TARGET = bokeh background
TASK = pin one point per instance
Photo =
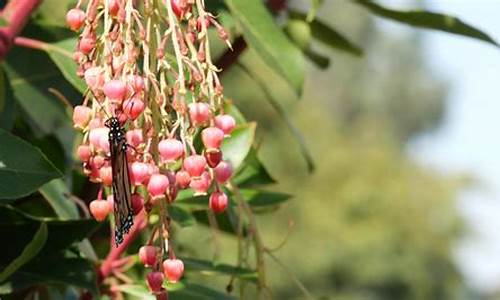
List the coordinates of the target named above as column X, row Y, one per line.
column 404, row 201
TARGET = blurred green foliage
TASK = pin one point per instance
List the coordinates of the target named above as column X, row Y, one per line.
column 369, row 223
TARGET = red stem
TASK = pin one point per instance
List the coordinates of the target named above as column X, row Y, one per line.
column 106, row 267
column 17, row 14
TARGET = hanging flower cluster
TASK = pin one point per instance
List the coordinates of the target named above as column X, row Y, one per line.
column 148, row 63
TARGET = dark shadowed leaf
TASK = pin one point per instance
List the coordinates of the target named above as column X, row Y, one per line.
column 53, row 270
column 23, row 168
column 181, row 216
column 430, row 20
column 329, row 36
column 269, row 41
column 319, row 60
column 30, row 251
column 19, row 228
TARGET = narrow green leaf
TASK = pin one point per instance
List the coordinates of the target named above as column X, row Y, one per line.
column 313, row 10
column 259, row 199
column 319, row 60
column 56, row 193
column 61, row 53
column 329, row 36
column 430, row 20
column 253, row 172
column 23, row 168
column 30, row 251
column 269, row 41
column 236, row 147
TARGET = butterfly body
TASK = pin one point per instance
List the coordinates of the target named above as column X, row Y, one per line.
column 124, row 218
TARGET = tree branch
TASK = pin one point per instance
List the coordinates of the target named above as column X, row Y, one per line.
column 16, row 13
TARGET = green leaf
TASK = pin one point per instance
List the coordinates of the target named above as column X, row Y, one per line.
column 23, row 168
column 268, row 40
column 227, row 221
column 61, row 53
column 136, row 290
column 259, row 199
column 56, row 193
column 181, row 216
column 236, row 147
column 54, row 270
column 319, row 60
column 30, row 84
column 253, row 172
column 430, row 20
column 30, row 251
column 208, row 268
column 329, row 36
column 53, row 12
column 18, row 228
column 313, row 10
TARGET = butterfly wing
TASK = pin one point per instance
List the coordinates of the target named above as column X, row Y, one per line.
column 121, row 188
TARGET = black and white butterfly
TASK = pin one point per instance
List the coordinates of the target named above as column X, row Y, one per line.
column 124, row 217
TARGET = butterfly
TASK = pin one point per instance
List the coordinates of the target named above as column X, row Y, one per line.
column 124, row 217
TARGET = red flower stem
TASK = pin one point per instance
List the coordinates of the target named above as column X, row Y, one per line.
column 16, row 13
column 106, row 267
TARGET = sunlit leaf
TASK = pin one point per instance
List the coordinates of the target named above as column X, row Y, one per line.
column 430, row 20
column 329, row 36
column 236, row 147
column 56, row 193
column 61, row 53
column 268, row 40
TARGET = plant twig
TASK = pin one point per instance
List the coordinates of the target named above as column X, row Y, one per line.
column 292, row 276
column 16, row 14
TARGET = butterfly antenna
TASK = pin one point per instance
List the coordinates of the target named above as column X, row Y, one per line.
column 98, row 103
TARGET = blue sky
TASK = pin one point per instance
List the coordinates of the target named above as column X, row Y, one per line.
column 469, row 138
